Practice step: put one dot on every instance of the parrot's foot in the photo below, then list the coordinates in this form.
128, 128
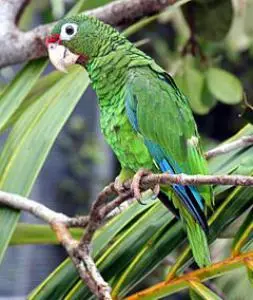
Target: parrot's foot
135, 186
119, 185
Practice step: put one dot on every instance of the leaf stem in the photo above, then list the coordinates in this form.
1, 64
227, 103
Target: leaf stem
166, 288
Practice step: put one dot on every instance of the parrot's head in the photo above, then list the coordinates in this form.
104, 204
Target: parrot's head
78, 39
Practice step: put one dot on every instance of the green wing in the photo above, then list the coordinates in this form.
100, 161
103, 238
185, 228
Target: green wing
162, 115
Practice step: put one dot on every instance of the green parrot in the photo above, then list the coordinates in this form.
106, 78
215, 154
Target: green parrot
144, 117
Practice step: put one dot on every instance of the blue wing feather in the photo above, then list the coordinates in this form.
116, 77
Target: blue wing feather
188, 194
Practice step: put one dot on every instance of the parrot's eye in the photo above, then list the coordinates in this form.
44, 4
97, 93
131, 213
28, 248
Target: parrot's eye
68, 31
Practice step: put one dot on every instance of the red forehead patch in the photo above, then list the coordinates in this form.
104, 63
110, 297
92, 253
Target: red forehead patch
54, 38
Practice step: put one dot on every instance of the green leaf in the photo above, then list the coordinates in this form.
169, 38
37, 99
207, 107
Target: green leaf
89, 4
25, 234
194, 296
249, 265
248, 24
166, 239
203, 291
192, 83
247, 114
58, 8
14, 94
244, 233
210, 19
42, 85
30, 141
208, 99
224, 86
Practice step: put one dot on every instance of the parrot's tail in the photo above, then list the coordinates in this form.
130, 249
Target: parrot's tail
187, 207
191, 200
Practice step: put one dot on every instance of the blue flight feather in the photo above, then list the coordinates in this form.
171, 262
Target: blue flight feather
188, 194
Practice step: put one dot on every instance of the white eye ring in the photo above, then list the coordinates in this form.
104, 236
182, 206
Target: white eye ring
68, 31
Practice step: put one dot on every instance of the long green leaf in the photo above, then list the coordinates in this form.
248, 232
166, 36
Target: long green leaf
31, 140
204, 292
14, 94
244, 234
41, 86
25, 234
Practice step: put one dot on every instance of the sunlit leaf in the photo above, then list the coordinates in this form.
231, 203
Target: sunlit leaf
249, 265
224, 86
201, 290
192, 83
14, 94
41, 86
25, 234
244, 233
30, 141
248, 24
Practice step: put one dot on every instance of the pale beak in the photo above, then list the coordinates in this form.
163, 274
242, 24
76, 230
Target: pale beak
61, 57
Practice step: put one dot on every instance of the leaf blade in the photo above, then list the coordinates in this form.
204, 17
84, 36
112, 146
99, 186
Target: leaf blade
30, 142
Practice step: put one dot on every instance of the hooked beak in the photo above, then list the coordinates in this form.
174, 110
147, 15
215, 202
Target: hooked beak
59, 55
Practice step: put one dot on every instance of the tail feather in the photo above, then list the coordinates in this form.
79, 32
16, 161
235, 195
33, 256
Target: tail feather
188, 198
199, 244
190, 204
193, 218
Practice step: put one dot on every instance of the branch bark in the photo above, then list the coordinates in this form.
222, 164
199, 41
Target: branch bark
18, 47
244, 141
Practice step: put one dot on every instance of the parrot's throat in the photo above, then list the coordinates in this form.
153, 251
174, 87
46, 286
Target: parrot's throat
83, 60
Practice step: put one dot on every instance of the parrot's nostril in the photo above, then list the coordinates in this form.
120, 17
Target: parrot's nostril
51, 46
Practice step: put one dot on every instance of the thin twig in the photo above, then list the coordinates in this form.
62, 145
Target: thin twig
98, 213
40, 211
244, 141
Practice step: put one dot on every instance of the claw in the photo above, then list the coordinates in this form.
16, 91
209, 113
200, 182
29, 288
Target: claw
119, 186
135, 186
156, 191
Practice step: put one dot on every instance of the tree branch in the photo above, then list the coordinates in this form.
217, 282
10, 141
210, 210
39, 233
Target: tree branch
244, 141
10, 9
38, 210
150, 181
18, 46
83, 262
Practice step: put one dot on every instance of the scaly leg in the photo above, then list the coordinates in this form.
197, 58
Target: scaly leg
124, 175
135, 186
